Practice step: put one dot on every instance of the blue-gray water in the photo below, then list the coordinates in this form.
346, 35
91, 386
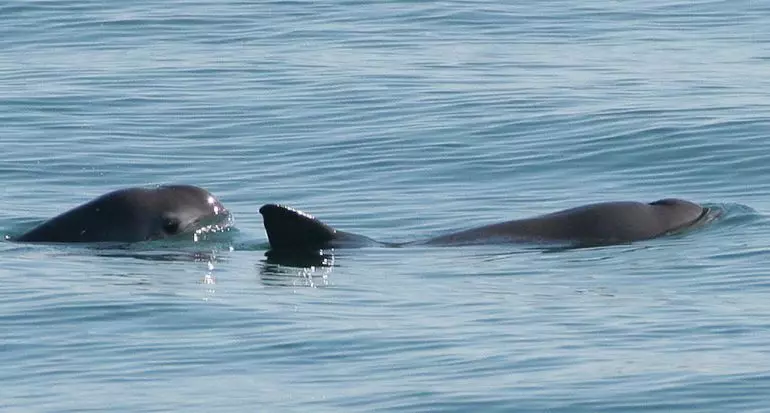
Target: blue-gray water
398, 120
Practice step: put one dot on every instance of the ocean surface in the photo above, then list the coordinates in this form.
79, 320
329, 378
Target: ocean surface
399, 120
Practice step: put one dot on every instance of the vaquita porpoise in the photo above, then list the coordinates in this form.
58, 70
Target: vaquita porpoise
133, 215
589, 225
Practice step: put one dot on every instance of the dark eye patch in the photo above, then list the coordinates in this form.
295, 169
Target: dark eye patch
170, 225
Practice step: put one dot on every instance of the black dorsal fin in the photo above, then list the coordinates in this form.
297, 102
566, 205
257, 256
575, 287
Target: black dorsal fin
288, 228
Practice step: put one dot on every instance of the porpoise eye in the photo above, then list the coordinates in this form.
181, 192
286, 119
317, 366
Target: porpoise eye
170, 225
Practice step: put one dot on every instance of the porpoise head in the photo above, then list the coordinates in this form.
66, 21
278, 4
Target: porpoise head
678, 214
133, 215
182, 209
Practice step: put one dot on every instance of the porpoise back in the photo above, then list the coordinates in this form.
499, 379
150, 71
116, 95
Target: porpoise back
594, 224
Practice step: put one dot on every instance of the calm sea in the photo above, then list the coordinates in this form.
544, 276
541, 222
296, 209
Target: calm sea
399, 120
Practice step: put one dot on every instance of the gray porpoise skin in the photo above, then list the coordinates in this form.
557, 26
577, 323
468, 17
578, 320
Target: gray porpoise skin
595, 224
133, 215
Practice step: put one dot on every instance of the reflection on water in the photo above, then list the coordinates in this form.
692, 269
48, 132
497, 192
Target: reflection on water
301, 259
297, 268
170, 255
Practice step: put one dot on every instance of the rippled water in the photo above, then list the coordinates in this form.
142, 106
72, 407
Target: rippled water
398, 120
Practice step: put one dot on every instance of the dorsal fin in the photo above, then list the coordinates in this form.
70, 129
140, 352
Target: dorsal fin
291, 229
288, 228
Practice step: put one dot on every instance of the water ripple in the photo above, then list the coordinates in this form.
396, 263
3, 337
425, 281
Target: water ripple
399, 120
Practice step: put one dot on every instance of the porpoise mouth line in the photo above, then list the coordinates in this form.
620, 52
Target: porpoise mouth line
704, 218
708, 215
215, 223
219, 222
